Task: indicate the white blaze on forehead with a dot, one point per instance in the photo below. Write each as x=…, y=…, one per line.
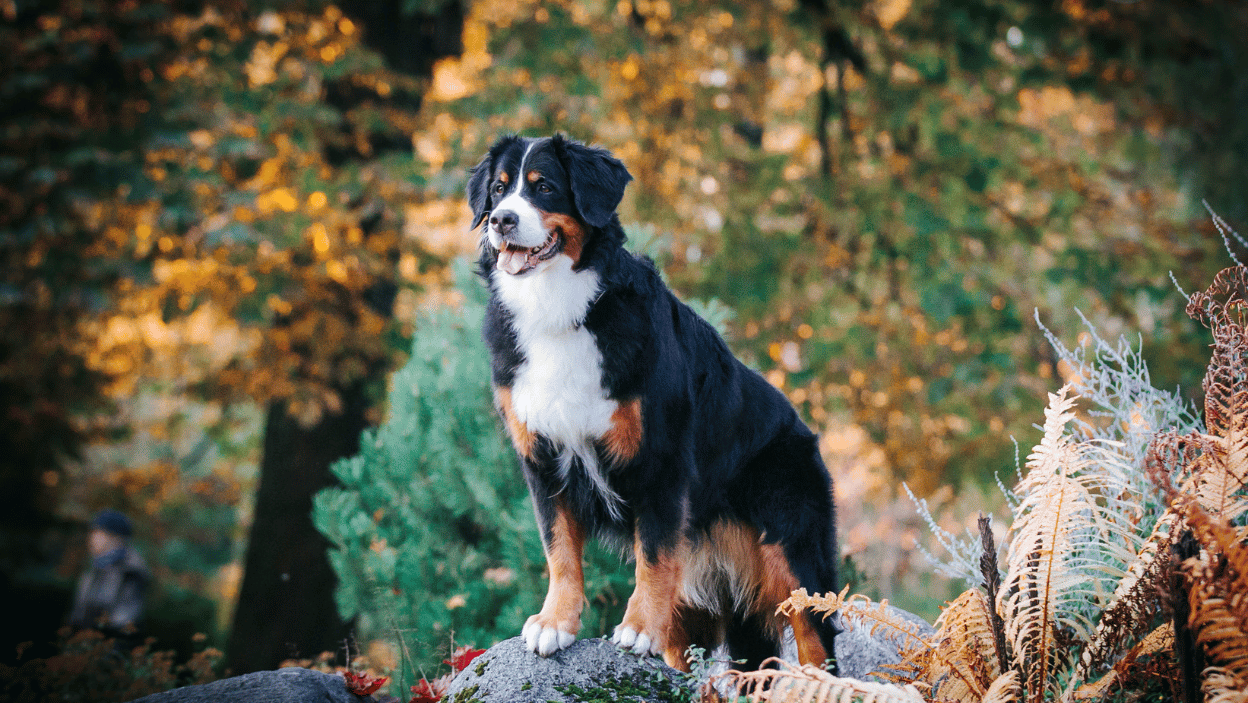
x=524, y=159
x=529, y=232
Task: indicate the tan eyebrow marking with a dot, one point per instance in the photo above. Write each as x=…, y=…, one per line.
x=504, y=177
x=533, y=176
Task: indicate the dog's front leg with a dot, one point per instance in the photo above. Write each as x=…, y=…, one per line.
x=555, y=627
x=648, y=619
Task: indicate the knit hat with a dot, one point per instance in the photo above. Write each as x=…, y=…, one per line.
x=112, y=522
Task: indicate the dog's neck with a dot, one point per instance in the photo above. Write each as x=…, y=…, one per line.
x=550, y=300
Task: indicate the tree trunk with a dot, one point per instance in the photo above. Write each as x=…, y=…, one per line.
x=286, y=604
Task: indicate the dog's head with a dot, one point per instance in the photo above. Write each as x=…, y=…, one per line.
x=540, y=198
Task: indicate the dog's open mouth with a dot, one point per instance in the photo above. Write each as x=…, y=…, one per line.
x=516, y=260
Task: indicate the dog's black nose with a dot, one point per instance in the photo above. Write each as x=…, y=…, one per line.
x=504, y=221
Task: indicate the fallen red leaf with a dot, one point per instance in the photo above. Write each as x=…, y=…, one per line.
x=462, y=657
x=425, y=692
x=363, y=684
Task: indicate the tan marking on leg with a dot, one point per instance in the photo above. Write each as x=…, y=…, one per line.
x=521, y=438
x=572, y=231
x=777, y=583
x=692, y=626
x=565, y=594
x=623, y=440
x=653, y=603
x=810, y=649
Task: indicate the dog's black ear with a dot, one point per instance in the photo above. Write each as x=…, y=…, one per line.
x=479, y=188
x=598, y=180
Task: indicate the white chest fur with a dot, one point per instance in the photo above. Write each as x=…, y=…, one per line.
x=558, y=391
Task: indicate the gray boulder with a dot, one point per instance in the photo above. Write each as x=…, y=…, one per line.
x=596, y=669
x=859, y=652
x=591, y=669
x=291, y=685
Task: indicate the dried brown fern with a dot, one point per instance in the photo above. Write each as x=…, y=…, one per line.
x=1218, y=599
x=1221, y=477
x=1135, y=603
x=1223, y=300
x=992, y=584
x=958, y=663
x=1211, y=494
x=811, y=684
x=1054, y=505
x=1126, y=671
x=1208, y=501
x=857, y=610
x=1223, y=688
x=965, y=655
x=1004, y=690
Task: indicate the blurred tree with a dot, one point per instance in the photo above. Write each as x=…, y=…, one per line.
x=312, y=131
x=208, y=201
x=69, y=100
x=74, y=99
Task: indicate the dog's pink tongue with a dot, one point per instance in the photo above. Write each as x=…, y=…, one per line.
x=512, y=261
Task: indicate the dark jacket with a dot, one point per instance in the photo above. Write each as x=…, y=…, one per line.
x=110, y=593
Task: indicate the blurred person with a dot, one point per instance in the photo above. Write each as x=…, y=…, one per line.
x=110, y=593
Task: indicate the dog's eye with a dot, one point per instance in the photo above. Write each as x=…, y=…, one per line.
x=498, y=188
x=543, y=188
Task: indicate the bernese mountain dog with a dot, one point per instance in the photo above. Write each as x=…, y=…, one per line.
x=634, y=423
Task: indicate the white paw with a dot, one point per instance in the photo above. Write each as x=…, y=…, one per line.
x=628, y=638
x=545, y=640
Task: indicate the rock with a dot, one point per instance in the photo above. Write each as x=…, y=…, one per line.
x=596, y=669
x=858, y=652
x=292, y=685
x=589, y=670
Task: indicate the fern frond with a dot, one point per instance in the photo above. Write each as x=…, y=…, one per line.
x=992, y=584
x=1114, y=380
x=1124, y=671
x=1222, y=687
x=1218, y=599
x=1004, y=689
x=856, y=610
x=808, y=683
x=965, y=656
x=1135, y=602
x=1223, y=300
x=1069, y=547
x=1227, y=544
x=822, y=603
x=1216, y=474
x=1223, y=308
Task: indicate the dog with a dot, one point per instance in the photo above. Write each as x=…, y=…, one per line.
x=634, y=423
